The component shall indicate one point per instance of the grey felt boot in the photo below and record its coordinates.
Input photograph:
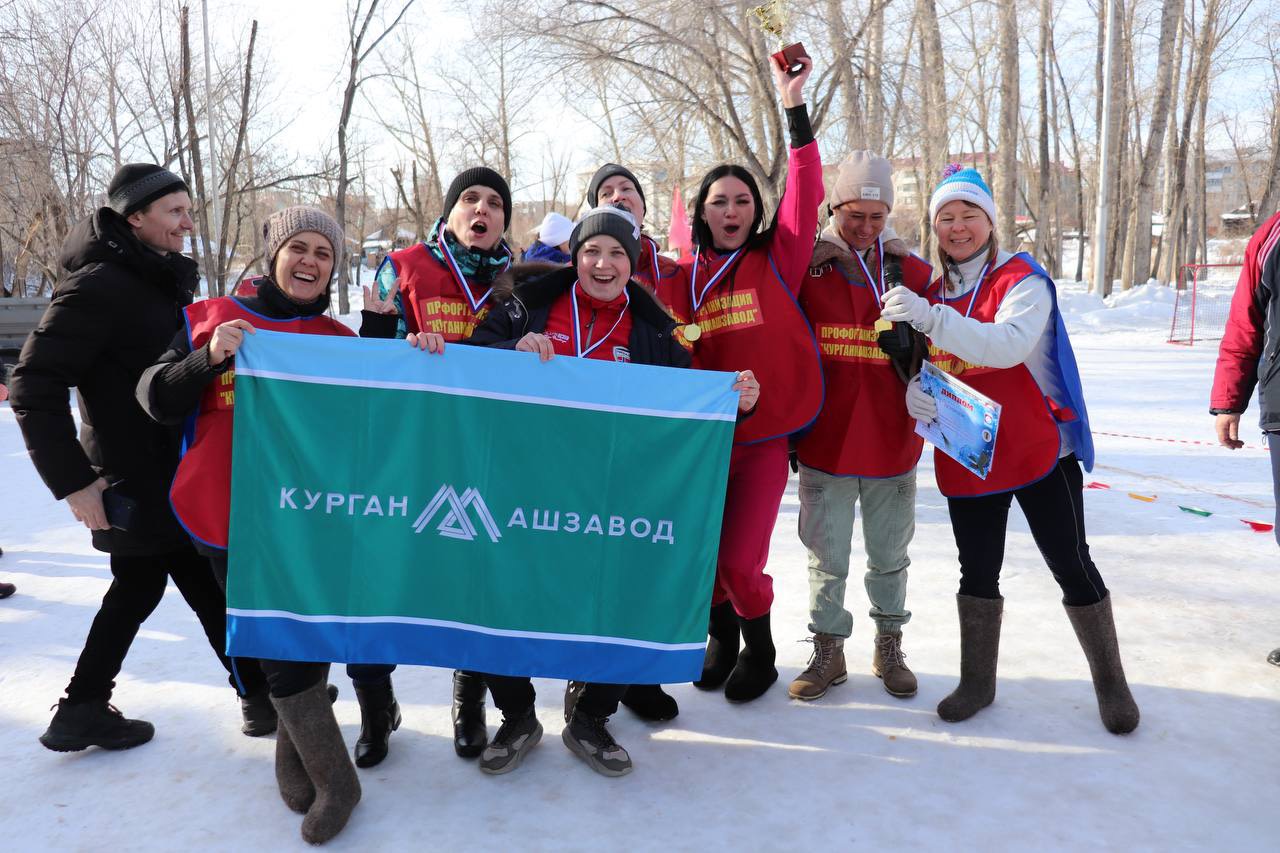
(295, 785)
(313, 731)
(1096, 630)
(979, 648)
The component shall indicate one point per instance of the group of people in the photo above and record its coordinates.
(825, 340)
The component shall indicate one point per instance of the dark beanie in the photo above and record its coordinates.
(612, 222)
(604, 173)
(484, 177)
(136, 185)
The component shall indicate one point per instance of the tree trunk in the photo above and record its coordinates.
(1007, 172)
(933, 106)
(1042, 74)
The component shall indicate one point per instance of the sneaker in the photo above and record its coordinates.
(516, 736)
(96, 723)
(826, 668)
(258, 713)
(890, 665)
(588, 738)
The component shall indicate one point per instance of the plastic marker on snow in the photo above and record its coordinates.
(1259, 526)
(1096, 485)
(1144, 498)
(1195, 510)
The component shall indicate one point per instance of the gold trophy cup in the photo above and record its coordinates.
(772, 18)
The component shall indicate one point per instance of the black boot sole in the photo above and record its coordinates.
(78, 744)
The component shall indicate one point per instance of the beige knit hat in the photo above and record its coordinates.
(863, 176)
(283, 224)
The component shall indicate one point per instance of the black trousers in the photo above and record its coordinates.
(137, 586)
(1273, 442)
(284, 677)
(514, 694)
(1054, 507)
(370, 674)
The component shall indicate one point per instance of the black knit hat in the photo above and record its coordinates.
(610, 221)
(604, 173)
(484, 177)
(136, 185)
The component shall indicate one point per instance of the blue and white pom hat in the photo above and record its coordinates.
(963, 185)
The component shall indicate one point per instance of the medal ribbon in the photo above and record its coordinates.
(877, 287)
(462, 279)
(973, 300)
(577, 333)
(699, 298)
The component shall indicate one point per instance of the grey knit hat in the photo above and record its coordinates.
(611, 221)
(283, 224)
(136, 185)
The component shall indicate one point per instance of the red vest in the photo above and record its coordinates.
(201, 490)
(431, 296)
(1028, 442)
(864, 429)
(751, 321)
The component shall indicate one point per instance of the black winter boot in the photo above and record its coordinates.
(7, 589)
(379, 717)
(470, 735)
(979, 649)
(754, 672)
(314, 734)
(1274, 657)
(258, 713)
(94, 723)
(722, 647)
(650, 702)
(1096, 630)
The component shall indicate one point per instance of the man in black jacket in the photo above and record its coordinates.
(115, 309)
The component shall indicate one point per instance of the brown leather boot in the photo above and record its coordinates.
(890, 665)
(826, 668)
(1096, 629)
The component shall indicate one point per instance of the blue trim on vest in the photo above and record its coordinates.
(1064, 359)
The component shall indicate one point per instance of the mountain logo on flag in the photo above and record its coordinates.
(457, 523)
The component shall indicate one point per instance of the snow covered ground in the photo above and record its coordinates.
(1197, 603)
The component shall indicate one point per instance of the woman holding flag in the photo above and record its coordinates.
(194, 380)
(446, 286)
(741, 308)
(594, 309)
(995, 318)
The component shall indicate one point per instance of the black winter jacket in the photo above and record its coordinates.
(527, 308)
(113, 312)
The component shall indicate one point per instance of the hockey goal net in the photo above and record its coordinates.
(1202, 301)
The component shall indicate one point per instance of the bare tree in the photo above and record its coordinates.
(360, 44)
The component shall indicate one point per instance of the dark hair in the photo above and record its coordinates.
(702, 232)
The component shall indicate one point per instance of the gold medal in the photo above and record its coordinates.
(692, 331)
(883, 326)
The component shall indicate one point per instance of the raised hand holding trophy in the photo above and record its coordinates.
(771, 17)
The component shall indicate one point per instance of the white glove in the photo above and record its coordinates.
(920, 405)
(901, 304)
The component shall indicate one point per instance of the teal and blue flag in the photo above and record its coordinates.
(478, 509)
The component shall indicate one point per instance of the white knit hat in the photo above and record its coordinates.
(554, 229)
